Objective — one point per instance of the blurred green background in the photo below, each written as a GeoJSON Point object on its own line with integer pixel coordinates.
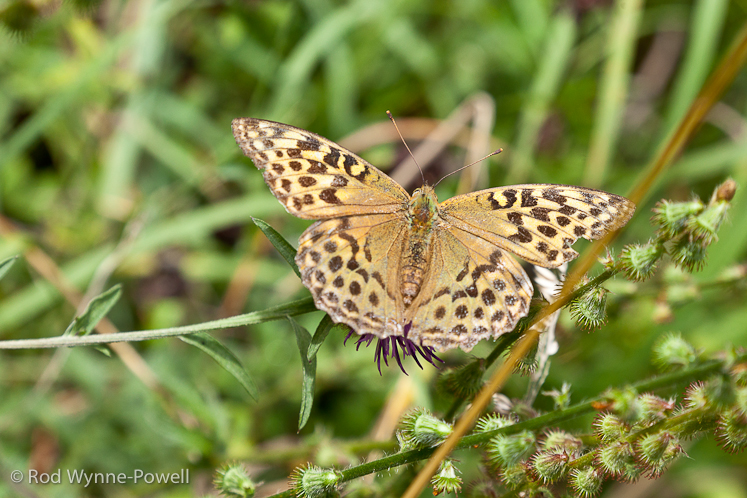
{"type": "Point", "coordinates": [118, 162]}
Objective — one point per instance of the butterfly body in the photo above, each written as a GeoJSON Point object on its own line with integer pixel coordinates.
{"type": "Point", "coordinates": [387, 263]}
{"type": "Point", "coordinates": [422, 218]}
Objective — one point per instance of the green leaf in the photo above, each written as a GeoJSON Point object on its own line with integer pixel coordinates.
{"type": "Point", "coordinates": [287, 251]}
{"type": "Point", "coordinates": [6, 264]}
{"type": "Point", "coordinates": [225, 358]}
{"type": "Point", "coordinates": [303, 339]}
{"type": "Point", "coordinates": [97, 309]}
{"type": "Point", "coordinates": [321, 333]}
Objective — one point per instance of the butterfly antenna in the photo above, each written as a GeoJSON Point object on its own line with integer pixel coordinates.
{"type": "Point", "coordinates": [406, 146]}
{"type": "Point", "coordinates": [470, 164]}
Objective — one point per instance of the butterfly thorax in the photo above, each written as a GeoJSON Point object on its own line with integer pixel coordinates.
{"type": "Point", "coordinates": [422, 215]}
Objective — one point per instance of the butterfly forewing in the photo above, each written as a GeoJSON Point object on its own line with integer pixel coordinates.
{"type": "Point", "coordinates": [538, 223]}
{"type": "Point", "coordinates": [313, 177]}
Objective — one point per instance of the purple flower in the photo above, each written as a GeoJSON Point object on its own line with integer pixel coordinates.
{"type": "Point", "coordinates": [390, 347]}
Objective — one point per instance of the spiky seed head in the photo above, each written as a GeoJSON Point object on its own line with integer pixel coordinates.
{"type": "Point", "coordinates": [310, 481]}
{"type": "Point", "coordinates": [586, 482]}
{"type": "Point", "coordinates": [611, 428]}
{"type": "Point", "coordinates": [689, 254]}
{"type": "Point", "coordinates": [550, 466]}
{"type": "Point", "coordinates": [731, 430]}
{"type": "Point", "coordinates": [638, 261]}
{"type": "Point", "coordinates": [420, 429]}
{"type": "Point", "coordinates": [671, 217]}
{"type": "Point", "coordinates": [615, 458]}
{"type": "Point", "coordinates": [464, 381]}
{"type": "Point", "coordinates": [232, 480]}
{"type": "Point", "coordinates": [507, 451]}
{"type": "Point", "coordinates": [656, 451]}
{"type": "Point", "coordinates": [672, 351]}
{"type": "Point", "coordinates": [590, 309]}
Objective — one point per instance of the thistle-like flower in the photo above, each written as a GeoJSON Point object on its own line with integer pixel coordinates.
{"type": "Point", "coordinates": [388, 347]}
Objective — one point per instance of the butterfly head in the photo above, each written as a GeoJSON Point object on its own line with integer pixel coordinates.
{"type": "Point", "coordinates": [424, 204]}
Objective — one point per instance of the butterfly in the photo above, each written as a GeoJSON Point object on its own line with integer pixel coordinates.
{"type": "Point", "coordinates": [390, 264]}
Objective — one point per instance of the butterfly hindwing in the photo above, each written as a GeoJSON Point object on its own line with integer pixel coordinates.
{"type": "Point", "coordinates": [476, 291]}
{"type": "Point", "coordinates": [313, 177]}
{"type": "Point", "coordinates": [351, 265]}
{"type": "Point", "coordinates": [538, 223]}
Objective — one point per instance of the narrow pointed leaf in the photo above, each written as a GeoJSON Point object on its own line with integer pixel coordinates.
{"type": "Point", "coordinates": [225, 358]}
{"type": "Point", "coordinates": [6, 264]}
{"type": "Point", "coordinates": [97, 309]}
{"type": "Point", "coordinates": [303, 339]}
{"type": "Point", "coordinates": [322, 331]}
{"type": "Point", "coordinates": [287, 251]}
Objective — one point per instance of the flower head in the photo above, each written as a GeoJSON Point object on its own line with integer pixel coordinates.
{"type": "Point", "coordinates": [389, 348]}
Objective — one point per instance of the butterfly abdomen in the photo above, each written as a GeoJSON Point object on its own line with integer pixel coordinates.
{"type": "Point", "coordinates": [422, 216]}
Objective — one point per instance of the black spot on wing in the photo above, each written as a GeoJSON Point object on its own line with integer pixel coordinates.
{"type": "Point", "coordinates": [527, 199]}
{"type": "Point", "coordinates": [308, 144]}
{"type": "Point", "coordinates": [522, 236]}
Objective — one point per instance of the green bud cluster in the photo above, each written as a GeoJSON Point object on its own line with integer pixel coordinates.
{"type": "Point", "coordinates": [232, 480]}
{"type": "Point", "coordinates": [640, 434]}
{"type": "Point", "coordinates": [684, 231]}
{"type": "Point", "coordinates": [672, 217]}
{"type": "Point", "coordinates": [420, 429]}
{"type": "Point", "coordinates": [314, 482]}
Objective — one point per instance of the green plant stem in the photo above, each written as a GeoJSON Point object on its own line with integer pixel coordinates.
{"type": "Point", "coordinates": [306, 451]}
{"type": "Point", "coordinates": [670, 380]}
{"type": "Point", "coordinates": [305, 305]}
